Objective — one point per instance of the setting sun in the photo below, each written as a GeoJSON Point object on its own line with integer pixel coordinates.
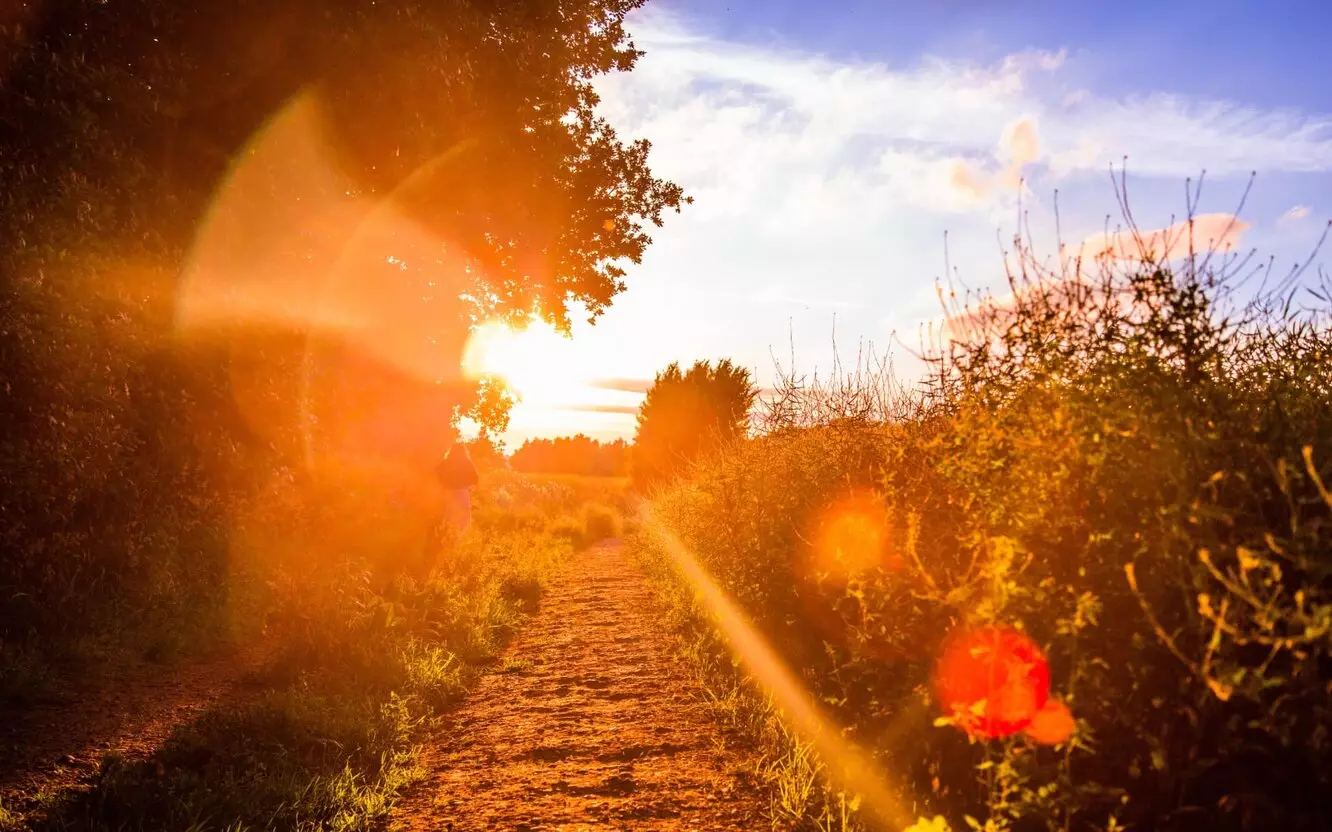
{"type": "Point", "coordinates": [563, 385]}
{"type": "Point", "coordinates": [538, 363]}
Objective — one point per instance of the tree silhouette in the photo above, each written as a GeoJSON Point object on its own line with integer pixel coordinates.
{"type": "Point", "coordinates": [572, 455]}
{"type": "Point", "coordinates": [687, 413]}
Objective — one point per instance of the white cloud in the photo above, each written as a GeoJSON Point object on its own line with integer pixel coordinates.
{"type": "Point", "coordinates": [1297, 212]}
{"type": "Point", "coordinates": [696, 96]}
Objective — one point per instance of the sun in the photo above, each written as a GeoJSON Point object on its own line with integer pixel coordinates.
{"type": "Point", "coordinates": [537, 363]}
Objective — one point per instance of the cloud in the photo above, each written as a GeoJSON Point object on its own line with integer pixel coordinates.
{"type": "Point", "coordinates": [602, 408]}
{"type": "Point", "coordinates": [967, 181]}
{"type": "Point", "coordinates": [778, 294]}
{"type": "Point", "coordinates": [1019, 146]}
{"type": "Point", "coordinates": [702, 94]}
{"type": "Point", "coordinates": [1206, 232]}
{"type": "Point", "coordinates": [1297, 212]}
{"type": "Point", "coordinates": [836, 179]}
{"type": "Point", "coordinates": [1023, 146]}
{"type": "Point", "coordinates": [623, 385]}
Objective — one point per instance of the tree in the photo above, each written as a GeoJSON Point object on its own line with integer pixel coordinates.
{"type": "Point", "coordinates": [686, 414]}
{"type": "Point", "coordinates": [131, 132]}
{"type": "Point", "coordinates": [572, 455]}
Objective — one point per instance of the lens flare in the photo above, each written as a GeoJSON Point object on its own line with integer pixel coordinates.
{"type": "Point", "coordinates": [851, 536]}
{"type": "Point", "coordinates": [992, 681]}
{"type": "Point", "coordinates": [345, 316]}
{"type": "Point", "coordinates": [1053, 724]}
{"type": "Point", "coordinates": [848, 765]}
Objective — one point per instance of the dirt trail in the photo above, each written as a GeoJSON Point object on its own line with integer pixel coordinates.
{"type": "Point", "coordinates": [55, 747]}
{"type": "Point", "coordinates": [590, 727]}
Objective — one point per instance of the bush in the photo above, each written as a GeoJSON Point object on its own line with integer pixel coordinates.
{"type": "Point", "coordinates": [1116, 462]}
{"type": "Point", "coordinates": [578, 455]}
{"type": "Point", "coordinates": [599, 523]}
{"type": "Point", "coordinates": [130, 436]}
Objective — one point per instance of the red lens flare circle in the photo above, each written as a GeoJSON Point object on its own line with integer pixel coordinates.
{"type": "Point", "coordinates": [992, 681]}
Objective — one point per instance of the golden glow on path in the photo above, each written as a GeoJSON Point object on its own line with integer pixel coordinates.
{"type": "Point", "coordinates": [850, 766]}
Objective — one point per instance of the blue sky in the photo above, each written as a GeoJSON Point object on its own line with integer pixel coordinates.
{"type": "Point", "coordinates": [830, 146]}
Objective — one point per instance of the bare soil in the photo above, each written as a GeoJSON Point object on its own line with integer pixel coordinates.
{"type": "Point", "coordinates": [590, 725]}
{"type": "Point", "coordinates": [54, 747]}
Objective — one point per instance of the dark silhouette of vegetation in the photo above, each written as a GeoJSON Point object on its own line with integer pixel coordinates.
{"type": "Point", "coordinates": [487, 454]}
{"type": "Point", "coordinates": [572, 455]}
{"type": "Point", "coordinates": [126, 452]}
{"type": "Point", "coordinates": [1124, 460]}
{"type": "Point", "coordinates": [687, 414]}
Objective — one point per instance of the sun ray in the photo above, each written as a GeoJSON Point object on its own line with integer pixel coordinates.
{"type": "Point", "coordinates": [850, 765]}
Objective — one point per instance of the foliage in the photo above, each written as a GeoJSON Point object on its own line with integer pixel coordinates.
{"type": "Point", "coordinates": [126, 453]}
{"type": "Point", "coordinates": [600, 523]}
{"type": "Point", "coordinates": [688, 413]}
{"type": "Point", "coordinates": [1123, 460]}
{"type": "Point", "coordinates": [577, 454]}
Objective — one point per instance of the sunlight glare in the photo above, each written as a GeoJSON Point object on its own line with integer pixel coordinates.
{"type": "Point", "coordinates": [538, 363]}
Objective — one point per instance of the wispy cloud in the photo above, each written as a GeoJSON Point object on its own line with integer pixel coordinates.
{"type": "Point", "coordinates": [778, 294]}
{"type": "Point", "coordinates": [623, 385]}
{"type": "Point", "coordinates": [1204, 233]}
{"type": "Point", "coordinates": [1297, 212]}
{"type": "Point", "coordinates": [602, 408]}
{"type": "Point", "coordinates": [696, 96]}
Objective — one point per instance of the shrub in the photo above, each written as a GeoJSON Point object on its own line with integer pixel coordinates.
{"type": "Point", "coordinates": [599, 523]}
{"type": "Point", "coordinates": [332, 741]}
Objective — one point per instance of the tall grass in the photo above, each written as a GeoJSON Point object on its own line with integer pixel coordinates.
{"type": "Point", "coordinates": [1126, 459]}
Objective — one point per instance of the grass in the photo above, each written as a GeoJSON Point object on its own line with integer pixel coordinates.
{"type": "Point", "coordinates": [363, 679]}
{"type": "Point", "coordinates": [1129, 465]}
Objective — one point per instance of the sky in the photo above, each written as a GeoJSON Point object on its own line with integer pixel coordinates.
{"type": "Point", "coordinates": [832, 148]}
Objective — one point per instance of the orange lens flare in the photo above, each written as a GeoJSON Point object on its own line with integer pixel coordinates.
{"type": "Point", "coordinates": [992, 681]}
{"type": "Point", "coordinates": [851, 536]}
{"type": "Point", "coordinates": [345, 316]}
{"type": "Point", "coordinates": [1053, 724]}
{"type": "Point", "coordinates": [848, 764]}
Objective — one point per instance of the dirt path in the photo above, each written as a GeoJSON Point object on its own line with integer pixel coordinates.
{"type": "Point", "coordinates": [591, 726]}
{"type": "Point", "coordinates": [56, 747]}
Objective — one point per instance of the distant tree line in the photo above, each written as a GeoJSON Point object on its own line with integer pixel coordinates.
{"type": "Point", "coordinates": [572, 455]}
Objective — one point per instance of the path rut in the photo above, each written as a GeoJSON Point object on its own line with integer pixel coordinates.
{"type": "Point", "coordinates": [58, 746]}
{"type": "Point", "coordinates": [592, 726]}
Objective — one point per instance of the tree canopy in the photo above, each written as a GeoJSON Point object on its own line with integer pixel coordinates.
{"type": "Point", "coordinates": [687, 413]}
